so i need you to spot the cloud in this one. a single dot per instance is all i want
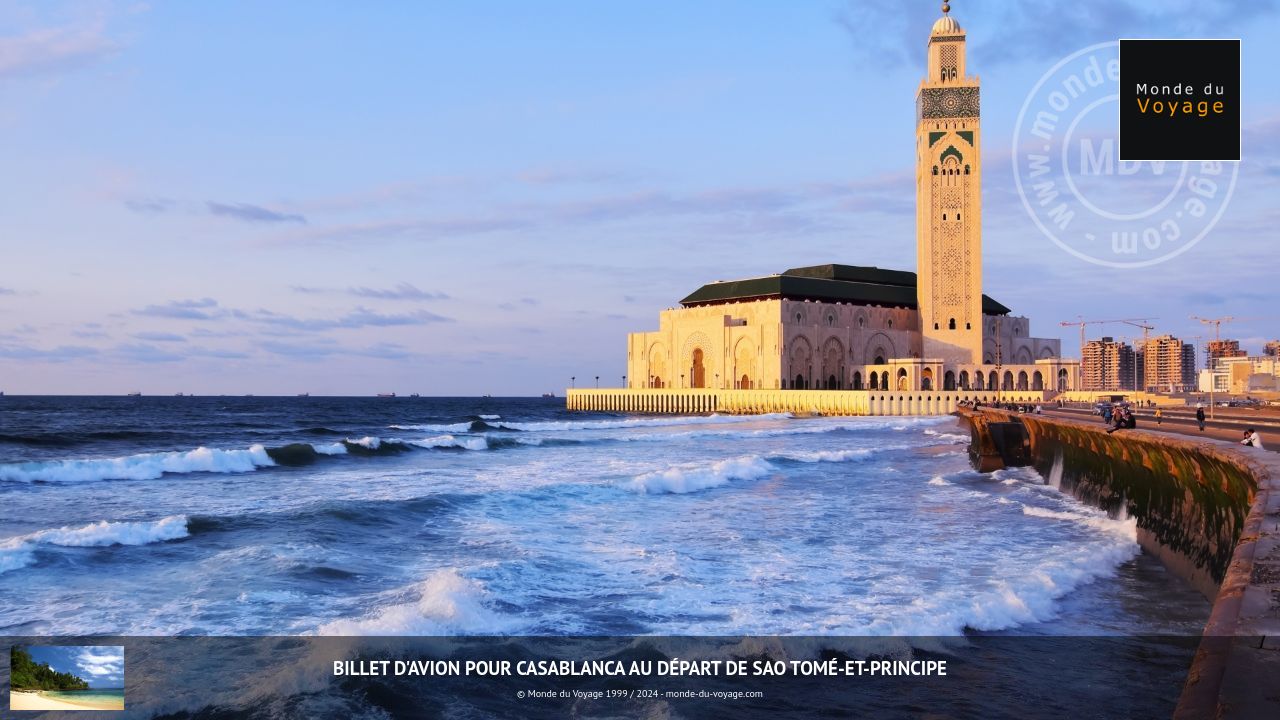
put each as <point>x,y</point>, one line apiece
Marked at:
<point>8,291</point>
<point>101,662</point>
<point>526,301</point>
<point>202,309</point>
<point>62,353</point>
<point>151,206</point>
<point>402,291</point>
<point>160,337</point>
<point>254,213</point>
<point>358,318</point>
<point>49,50</point>
<point>144,353</point>
<point>321,349</point>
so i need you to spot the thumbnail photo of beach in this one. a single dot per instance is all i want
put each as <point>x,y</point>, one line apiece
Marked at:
<point>66,677</point>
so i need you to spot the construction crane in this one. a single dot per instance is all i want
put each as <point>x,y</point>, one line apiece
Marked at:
<point>1082,322</point>
<point>1216,323</point>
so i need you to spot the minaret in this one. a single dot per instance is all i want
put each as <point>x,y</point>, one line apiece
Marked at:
<point>949,201</point>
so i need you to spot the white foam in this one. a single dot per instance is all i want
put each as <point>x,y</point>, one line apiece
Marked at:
<point>449,428</point>
<point>446,604</point>
<point>938,480</point>
<point>1124,527</point>
<point>368,441</point>
<point>331,449</point>
<point>687,479</point>
<point>17,552</point>
<point>490,417</point>
<point>451,441</point>
<point>145,466</point>
<point>834,456</point>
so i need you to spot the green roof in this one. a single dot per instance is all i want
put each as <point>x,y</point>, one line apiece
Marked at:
<point>825,283</point>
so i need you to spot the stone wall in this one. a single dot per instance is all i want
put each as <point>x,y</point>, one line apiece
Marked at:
<point>1210,510</point>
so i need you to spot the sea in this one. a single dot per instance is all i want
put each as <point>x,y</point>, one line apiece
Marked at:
<point>97,699</point>
<point>318,516</point>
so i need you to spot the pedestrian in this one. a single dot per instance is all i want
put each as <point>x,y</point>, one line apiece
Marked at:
<point>1159,416</point>
<point>1252,439</point>
<point>1106,415</point>
<point>1200,416</point>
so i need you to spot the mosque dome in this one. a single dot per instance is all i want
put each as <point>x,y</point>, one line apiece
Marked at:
<point>946,25</point>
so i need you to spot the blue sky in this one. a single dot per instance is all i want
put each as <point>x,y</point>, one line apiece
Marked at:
<point>102,666</point>
<point>466,198</point>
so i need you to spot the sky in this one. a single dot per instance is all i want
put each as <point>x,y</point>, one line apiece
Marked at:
<point>102,666</point>
<point>485,197</point>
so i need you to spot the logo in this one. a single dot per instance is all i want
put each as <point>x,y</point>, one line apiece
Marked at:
<point>1082,196</point>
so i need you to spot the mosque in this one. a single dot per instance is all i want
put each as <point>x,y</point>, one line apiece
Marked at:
<point>844,327</point>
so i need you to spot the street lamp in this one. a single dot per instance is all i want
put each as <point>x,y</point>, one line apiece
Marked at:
<point>624,381</point>
<point>597,382</point>
<point>717,379</point>
<point>681,381</point>
<point>573,381</point>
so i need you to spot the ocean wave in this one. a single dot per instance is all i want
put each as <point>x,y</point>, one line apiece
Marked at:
<point>17,552</point>
<point>144,466</point>
<point>571,425</point>
<point>446,603</point>
<point>693,477</point>
<point>452,441</point>
<point>445,428</point>
<point>689,479</point>
<point>1097,519</point>
<point>835,456</point>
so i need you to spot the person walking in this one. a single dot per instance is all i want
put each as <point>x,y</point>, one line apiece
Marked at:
<point>1106,415</point>
<point>1159,416</point>
<point>1200,416</point>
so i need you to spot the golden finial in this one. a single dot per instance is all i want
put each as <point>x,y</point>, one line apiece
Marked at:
<point>946,8</point>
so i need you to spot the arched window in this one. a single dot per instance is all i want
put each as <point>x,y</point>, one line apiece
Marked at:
<point>951,325</point>
<point>902,379</point>
<point>966,169</point>
<point>857,380</point>
<point>799,382</point>
<point>964,379</point>
<point>798,317</point>
<point>831,320</point>
<point>875,380</point>
<point>889,323</point>
<point>948,380</point>
<point>862,322</point>
<point>879,360</point>
<point>935,326</point>
<point>935,169</point>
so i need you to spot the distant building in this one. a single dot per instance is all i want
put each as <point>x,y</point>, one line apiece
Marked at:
<point>1242,375</point>
<point>1272,349</point>
<point>1169,365</point>
<point>1217,349</point>
<point>1107,365</point>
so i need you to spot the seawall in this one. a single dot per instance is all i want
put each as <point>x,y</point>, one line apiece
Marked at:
<point>1210,510</point>
<point>806,402</point>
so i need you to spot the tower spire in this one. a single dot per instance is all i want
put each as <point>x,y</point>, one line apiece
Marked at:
<point>946,7</point>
